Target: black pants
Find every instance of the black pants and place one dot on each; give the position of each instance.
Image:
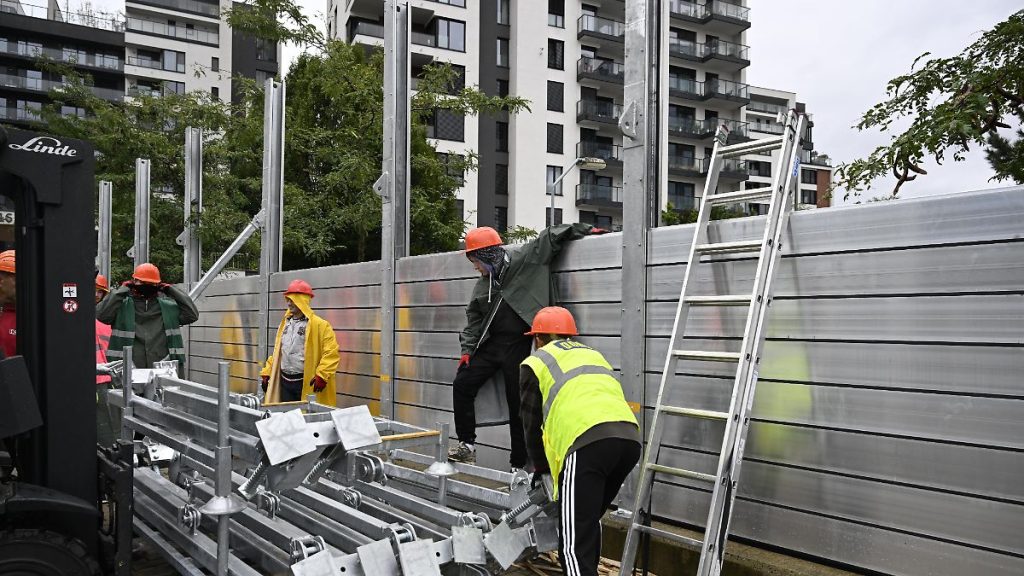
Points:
(291, 387)
(589, 481)
(493, 356)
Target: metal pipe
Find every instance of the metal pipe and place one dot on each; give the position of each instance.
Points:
(193, 204)
(106, 214)
(126, 386)
(255, 224)
(223, 480)
(140, 251)
(442, 456)
(273, 190)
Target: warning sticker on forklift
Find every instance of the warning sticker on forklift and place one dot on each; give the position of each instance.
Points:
(70, 291)
(71, 306)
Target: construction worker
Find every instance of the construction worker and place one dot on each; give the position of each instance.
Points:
(102, 330)
(147, 314)
(510, 291)
(305, 359)
(8, 300)
(579, 430)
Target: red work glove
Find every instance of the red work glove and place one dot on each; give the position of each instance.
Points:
(164, 286)
(266, 382)
(319, 384)
(464, 361)
(596, 230)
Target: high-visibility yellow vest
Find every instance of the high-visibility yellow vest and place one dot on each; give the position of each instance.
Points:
(579, 391)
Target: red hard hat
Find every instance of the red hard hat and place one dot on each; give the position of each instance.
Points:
(7, 261)
(553, 320)
(482, 237)
(147, 273)
(299, 286)
(101, 283)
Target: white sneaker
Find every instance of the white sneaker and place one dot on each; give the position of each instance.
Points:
(465, 453)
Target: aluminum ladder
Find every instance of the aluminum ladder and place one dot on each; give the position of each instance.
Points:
(737, 419)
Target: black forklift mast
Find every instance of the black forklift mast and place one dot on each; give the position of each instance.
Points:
(51, 184)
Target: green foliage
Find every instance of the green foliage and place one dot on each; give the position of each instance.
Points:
(1006, 157)
(518, 235)
(954, 102)
(672, 216)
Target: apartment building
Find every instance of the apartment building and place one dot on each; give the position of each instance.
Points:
(91, 43)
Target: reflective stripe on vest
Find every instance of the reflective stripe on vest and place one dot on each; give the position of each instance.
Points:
(561, 378)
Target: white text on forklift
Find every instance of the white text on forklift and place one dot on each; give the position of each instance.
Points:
(45, 145)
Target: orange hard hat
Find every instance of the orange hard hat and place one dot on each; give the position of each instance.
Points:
(101, 283)
(299, 286)
(482, 237)
(7, 261)
(553, 320)
(147, 273)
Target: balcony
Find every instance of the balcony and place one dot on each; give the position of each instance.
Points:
(681, 202)
(199, 36)
(726, 93)
(99, 19)
(686, 11)
(192, 6)
(769, 127)
(610, 153)
(153, 64)
(767, 108)
(597, 111)
(690, 128)
(733, 169)
(686, 50)
(375, 30)
(600, 29)
(687, 88)
(42, 86)
(599, 69)
(77, 58)
(738, 131)
(598, 195)
(716, 16)
(722, 56)
(685, 166)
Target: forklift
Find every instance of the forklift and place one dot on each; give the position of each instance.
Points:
(65, 503)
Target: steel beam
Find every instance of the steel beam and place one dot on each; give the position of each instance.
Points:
(193, 204)
(273, 194)
(140, 250)
(106, 214)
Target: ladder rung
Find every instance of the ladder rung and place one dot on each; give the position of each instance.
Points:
(722, 300)
(695, 413)
(677, 538)
(728, 247)
(763, 145)
(709, 478)
(709, 356)
(740, 196)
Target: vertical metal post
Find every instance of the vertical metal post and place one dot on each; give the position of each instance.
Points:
(273, 192)
(126, 389)
(193, 204)
(140, 251)
(222, 487)
(393, 185)
(106, 214)
(642, 160)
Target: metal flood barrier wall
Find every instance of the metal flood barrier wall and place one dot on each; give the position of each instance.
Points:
(889, 417)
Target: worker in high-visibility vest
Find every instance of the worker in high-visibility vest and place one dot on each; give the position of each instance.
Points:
(8, 301)
(579, 429)
(102, 330)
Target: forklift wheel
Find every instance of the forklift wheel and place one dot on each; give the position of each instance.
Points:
(44, 553)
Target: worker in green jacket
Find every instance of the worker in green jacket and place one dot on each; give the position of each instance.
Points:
(579, 430)
(147, 314)
(512, 287)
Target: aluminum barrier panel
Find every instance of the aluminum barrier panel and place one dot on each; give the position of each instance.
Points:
(889, 418)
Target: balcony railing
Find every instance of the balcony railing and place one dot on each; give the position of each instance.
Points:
(686, 9)
(686, 86)
(708, 10)
(727, 89)
(684, 202)
(610, 153)
(728, 10)
(685, 164)
(75, 57)
(684, 48)
(375, 30)
(153, 64)
(211, 10)
(603, 26)
(690, 127)
(731, 166)
(767, 127)
(766, 107)
(737, 129)
(42, 85)
(599, 194)
(20, 114)
(179, 32)
(92, 19)
(598, 111)
(604, 69)
(721, 48)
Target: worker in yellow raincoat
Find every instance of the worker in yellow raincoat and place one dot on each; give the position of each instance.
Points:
(305, 358)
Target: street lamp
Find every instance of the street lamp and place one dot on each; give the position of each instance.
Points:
(584, 163)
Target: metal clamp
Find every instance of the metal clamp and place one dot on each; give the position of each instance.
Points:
(189, 518)
(350, 497)
(401, 533)
(368, 468)
(190, 482)
(268, 502)
(306, 546)
(249, 401)
(475, 520)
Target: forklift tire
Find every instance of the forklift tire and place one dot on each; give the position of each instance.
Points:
(44, 553)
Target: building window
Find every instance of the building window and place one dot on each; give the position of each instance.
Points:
(553, 172)
(449, 125)
(502, 52)
(556, 96)
(556, 13)
(451, 34)
(501, 179)
(215, 64)
(558, 216)
(556, 54)
(174, 61)
(459, 3)
(809, 197)
(459, 81)
(502, 87)
(809, 176)
(501, 218)
(501, 137)
(460, 207)
(756, 168)
(452, 167)
(266, 50)
(503, 12)
(174, 87)
(682, 196)
(215, 93)
(554, 138)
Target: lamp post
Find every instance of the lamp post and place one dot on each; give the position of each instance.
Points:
(583, 162)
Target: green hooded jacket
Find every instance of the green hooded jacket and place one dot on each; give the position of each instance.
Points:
(150, 338)
(526, 283)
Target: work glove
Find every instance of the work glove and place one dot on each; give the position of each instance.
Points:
(537, 479)
(596, 230)
(319, 384)
(265, 383)
(164, 286)
(464, 361)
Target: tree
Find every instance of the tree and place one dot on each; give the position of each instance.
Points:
(955, 103)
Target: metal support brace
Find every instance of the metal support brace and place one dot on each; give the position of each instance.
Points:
(140, 250)
(393, 185)
(193, 205)
(255, 224)
(106, 214)
(273, 194)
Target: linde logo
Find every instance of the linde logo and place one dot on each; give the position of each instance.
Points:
(46, 145)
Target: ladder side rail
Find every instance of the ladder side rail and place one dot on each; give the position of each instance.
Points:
(730, 458)
(645, 481)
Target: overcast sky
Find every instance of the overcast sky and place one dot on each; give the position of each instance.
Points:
(838, 56)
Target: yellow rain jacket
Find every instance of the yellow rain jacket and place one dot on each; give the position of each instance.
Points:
(321, 356)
